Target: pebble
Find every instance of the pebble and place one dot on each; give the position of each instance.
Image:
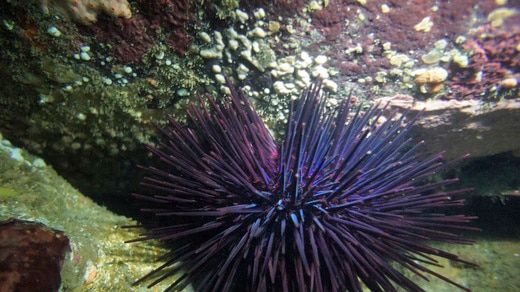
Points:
(258, 32)
(39, 163)
(159, 56)
(330, 85)
(320, 60)
(241, 15)
(259, 13)
(425, 25)
(54, 31)
(432, 57)
(212, 53)
(204, 36)
(16, 154)
(321, 72)
(216, 68)
(84, 56)
(220, 78)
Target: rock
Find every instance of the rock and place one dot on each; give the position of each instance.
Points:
(31, 256)
(99, 260)
(461, 127)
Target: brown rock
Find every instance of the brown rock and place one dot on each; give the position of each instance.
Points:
(31, 256)
(461, 127)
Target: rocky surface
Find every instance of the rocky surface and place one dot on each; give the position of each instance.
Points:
(466, 126)
(98, 259)
(31, 256)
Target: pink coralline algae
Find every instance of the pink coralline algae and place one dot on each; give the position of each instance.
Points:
(31, 256)
(493, 64)
(131, 38)
(349, 24)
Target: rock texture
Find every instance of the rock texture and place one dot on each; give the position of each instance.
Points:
(462, 127)
(31, 256)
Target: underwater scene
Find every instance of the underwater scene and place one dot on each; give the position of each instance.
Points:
(283, 145)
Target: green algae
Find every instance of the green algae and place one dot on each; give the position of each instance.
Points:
(6, 193)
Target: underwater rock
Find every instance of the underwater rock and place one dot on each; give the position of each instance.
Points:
(464, 126)
(31, 256)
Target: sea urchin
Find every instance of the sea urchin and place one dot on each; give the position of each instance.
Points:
(339, 204)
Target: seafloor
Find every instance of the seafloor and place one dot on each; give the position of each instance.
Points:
(81, 86)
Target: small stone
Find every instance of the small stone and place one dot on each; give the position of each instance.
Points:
(290, 86)
(435, 75)
(258, 32)
(259, 14)
(273, 26)
(461, 60)
(205, 37)
(303, 76)
(242, 72)
(216, 68)
(381, 77)
(320, 72)
(286, 67)
(84, 56)
(509, 83)
(241, 15)
(330, 85)
(398, 59)
(183, 92)
(280, 88)
(320, 60)
(81, 116)
(441, 44)
(460, 40)
(54, 31)
(231, 33)
(432, 57)
(16, 154)
(233, 44)
(159, 56)
(256, 47)
(425, 25)
(39, 163)
(314, 5)
(430, 81)
(220, 78)
(212, 53)
(282, 69)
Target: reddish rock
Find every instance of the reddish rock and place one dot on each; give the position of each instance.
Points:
(31, 256)
(130, 39)
(493, 58)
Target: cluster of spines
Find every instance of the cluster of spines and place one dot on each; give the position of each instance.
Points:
(343, 197)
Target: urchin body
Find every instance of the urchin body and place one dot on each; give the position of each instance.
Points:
(343, 197)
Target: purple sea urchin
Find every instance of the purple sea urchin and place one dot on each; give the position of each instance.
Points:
(344, 196)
